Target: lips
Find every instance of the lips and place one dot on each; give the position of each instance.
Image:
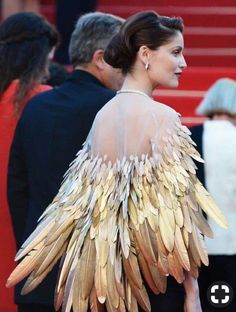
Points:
(178, 74)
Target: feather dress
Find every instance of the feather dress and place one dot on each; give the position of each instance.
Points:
(129, 210)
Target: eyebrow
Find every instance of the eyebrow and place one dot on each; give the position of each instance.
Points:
(178, 47)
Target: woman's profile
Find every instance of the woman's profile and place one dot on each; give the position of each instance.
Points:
(128, 213)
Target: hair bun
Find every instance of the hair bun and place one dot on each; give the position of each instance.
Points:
(144, 28)
(118, 54)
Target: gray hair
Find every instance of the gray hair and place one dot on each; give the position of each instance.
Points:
(220, 98)
(92, 32)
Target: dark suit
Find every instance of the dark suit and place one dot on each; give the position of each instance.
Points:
(197, 133)
(51, 130)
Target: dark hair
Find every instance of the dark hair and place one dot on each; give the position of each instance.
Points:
(57, 74)
(25, 41)
(144, 28)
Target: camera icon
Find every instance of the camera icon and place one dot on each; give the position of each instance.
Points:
(220, 294)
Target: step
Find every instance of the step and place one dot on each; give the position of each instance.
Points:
(192, 16)
(199, 57)
(210, 37)
(201, 78)
(184, 103)
(178, 3)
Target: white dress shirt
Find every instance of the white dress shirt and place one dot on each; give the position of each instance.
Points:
(219, 152)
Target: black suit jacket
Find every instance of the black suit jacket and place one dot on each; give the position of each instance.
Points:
(52, 129)
(197, 133)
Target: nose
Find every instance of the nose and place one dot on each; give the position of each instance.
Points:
(183, 63)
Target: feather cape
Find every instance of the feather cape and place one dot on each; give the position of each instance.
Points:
(115, 225)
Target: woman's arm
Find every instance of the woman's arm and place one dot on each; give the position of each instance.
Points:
(192, 300)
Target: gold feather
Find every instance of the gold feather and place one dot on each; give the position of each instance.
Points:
(58, 298)
(142, 297)
(186, 214)
(87, 267)
(35, 279)
(166, 229)
(65, 266)
(147, 274)
(121, 307)
(42, 230)
(50, 253)
(112, 293)
(95, 305)
(132, 271)
(208, 205)
(144, 244)
(159, 279)
(193, 251)
(133, 305)
(201, 249)
(175, 268)
(26, 266)
(100, 282)
(61, 226)
(181, 249)
(201, 223)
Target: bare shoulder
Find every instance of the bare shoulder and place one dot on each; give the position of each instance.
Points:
(164, 110)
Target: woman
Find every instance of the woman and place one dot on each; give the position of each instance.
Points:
(26, 40)
(218, 133)
(127, 212)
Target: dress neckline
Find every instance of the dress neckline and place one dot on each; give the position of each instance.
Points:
(133, 91)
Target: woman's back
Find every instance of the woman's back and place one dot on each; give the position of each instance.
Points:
(128, 124)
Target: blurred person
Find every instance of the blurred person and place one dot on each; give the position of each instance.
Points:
(10, 7)
(50, 130)
(66, 16)
(121, 219)
(216, 141)
(26, 41)
(57, 74)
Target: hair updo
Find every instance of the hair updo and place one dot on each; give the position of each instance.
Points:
(144, 28)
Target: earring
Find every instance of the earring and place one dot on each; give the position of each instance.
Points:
(146, 66)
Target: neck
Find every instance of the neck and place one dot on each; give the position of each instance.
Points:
(89, 68)
(130, 83)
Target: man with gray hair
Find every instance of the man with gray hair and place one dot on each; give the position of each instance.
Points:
(52, 129)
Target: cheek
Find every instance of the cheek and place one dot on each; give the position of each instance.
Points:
(166, 65)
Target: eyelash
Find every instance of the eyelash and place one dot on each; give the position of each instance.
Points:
(176, 52)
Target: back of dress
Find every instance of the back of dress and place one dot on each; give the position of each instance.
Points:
(128, 210)
(128, 125)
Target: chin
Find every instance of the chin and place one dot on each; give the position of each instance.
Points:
(171, 85)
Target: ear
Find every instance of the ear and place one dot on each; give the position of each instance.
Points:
(144, 54)
(98, 59)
